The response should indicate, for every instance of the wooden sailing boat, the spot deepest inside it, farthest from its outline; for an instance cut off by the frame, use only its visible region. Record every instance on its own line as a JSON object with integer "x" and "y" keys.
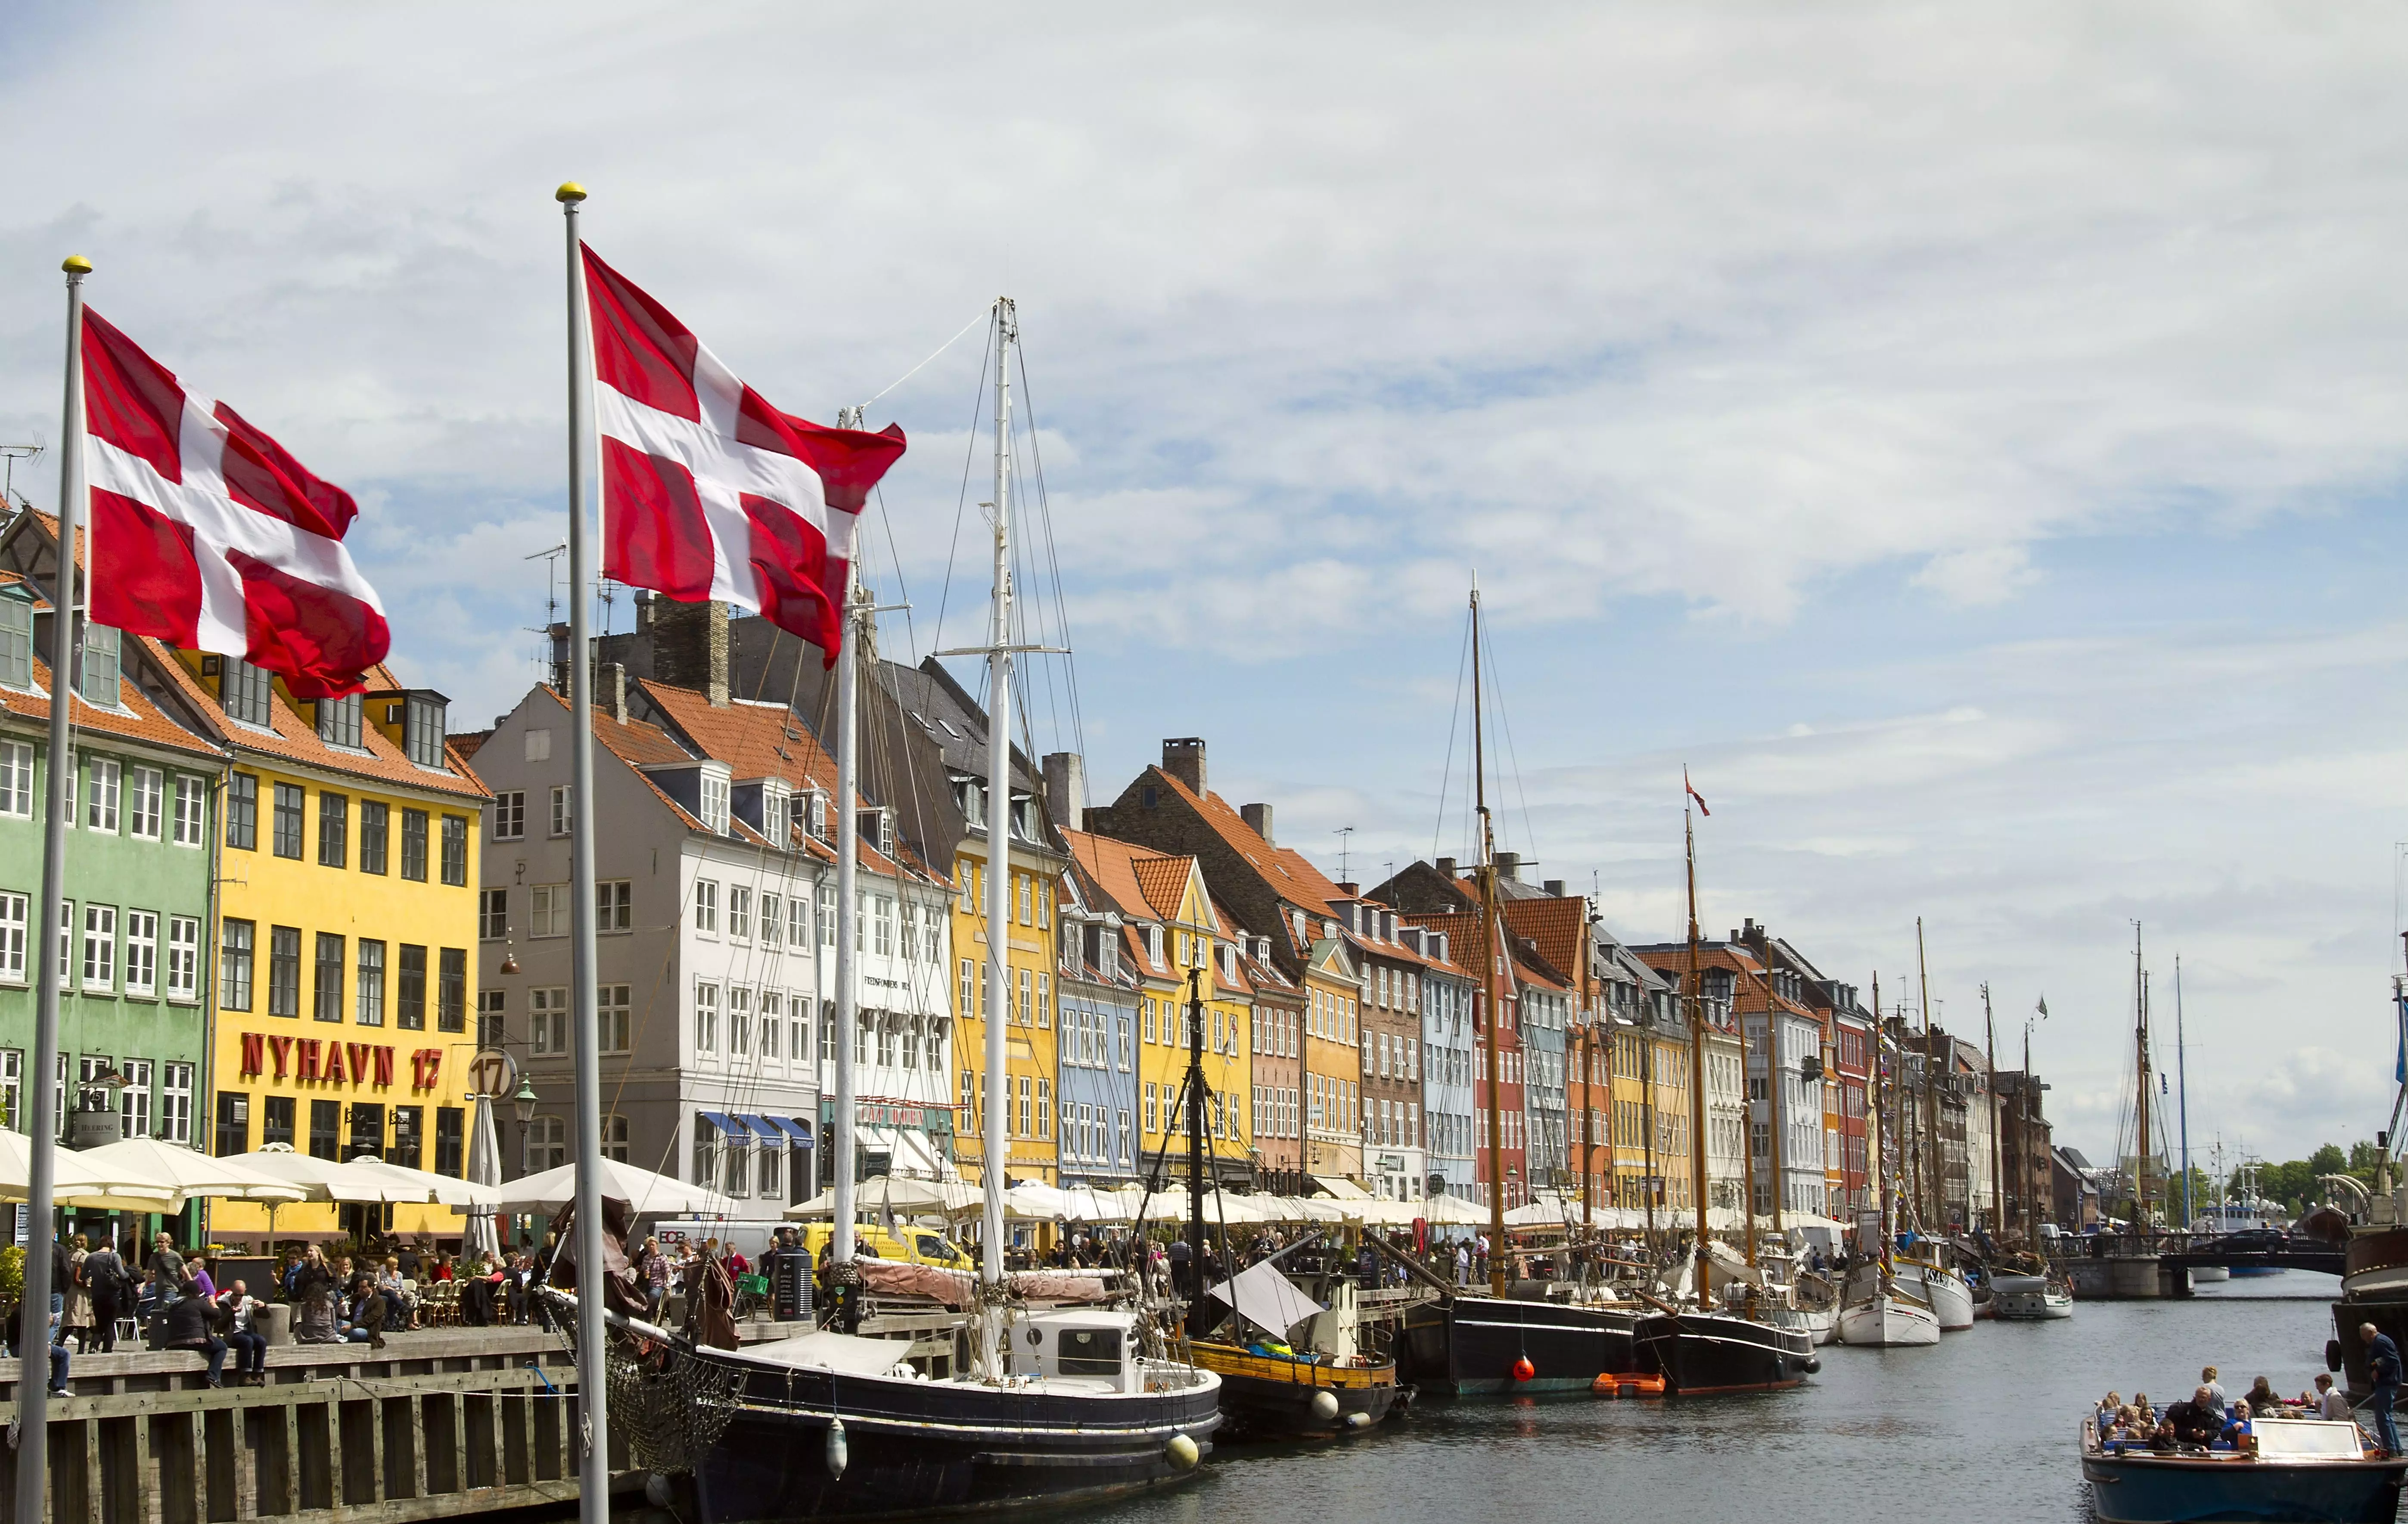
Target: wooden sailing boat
{"x": 1925, "y": 1270}
{"x": 1874, "y": 1308}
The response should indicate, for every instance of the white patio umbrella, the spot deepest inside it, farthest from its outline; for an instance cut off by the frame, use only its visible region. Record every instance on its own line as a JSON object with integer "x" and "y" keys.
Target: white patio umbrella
{"x": 74, "y": 1184}
{"x": 481, "y": 1235}
{"x": 647, "y": 1194}
{"x": 322, "y": 1179}
{"x": 148, "y": 1164}
{"x": 423, "y": 1187}
{"x": 901, "y": 1195}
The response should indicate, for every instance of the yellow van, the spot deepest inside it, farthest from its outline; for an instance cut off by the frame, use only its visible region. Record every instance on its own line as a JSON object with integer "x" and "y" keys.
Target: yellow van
{"x": 909, "y": 1244}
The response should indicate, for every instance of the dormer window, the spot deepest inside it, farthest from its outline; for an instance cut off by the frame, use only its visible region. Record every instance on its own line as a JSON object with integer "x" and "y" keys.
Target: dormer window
{"x": 16, "y": 639}
{"x": 815, "y": 824}
{"x": 423, "y": 732}
{"x": 877, "y": 830}
{"x": 1153, "y": 945}
{"x": 97, "y": 675}
{"x": 774, "y": 820}
{"x": 714, "y": 813}
{"x": 338, "y": 721}
{"x": 246, "y": 692}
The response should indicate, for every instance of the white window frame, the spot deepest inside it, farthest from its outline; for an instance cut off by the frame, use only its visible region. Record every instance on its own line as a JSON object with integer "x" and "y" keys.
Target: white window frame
{"x": 509, "y": 815}
{"x": 547, "y": 910}
{"x": 183, "y": 981}
{"x": 614, "y": 906}
{"x": 99, "y": 947}
{"x": 564, "y": 814}
{"x": 705, "y": 1018}
{"x": 613, "y": 1015}
{"x": 17, "y": 779}
{"x": 192, "y": 809}
{"x": 740, "y": 1021}
{"x": 141, "y": 952}
{"x": 739, "y": 912}
{"x": 706, "y": 907}
{"x": 175, "y": 1103}
{"x": 547, "y": 1020}
{"x": 148, "y": 803}
{"x": 15, "y": 913}
{"x": 108, "y": 783}
{"x": 134, "y": 1098}
{"x": 714, "y": 803}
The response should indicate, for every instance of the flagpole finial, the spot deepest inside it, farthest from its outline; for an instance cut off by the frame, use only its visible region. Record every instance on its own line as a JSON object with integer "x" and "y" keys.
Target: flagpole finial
{"x": 75, "y": 265}
{"x": 569, "y": 193}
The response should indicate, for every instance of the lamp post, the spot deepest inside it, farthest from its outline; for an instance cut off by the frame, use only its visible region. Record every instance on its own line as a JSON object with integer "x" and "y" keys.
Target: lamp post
{"x": 524, "y": 1103}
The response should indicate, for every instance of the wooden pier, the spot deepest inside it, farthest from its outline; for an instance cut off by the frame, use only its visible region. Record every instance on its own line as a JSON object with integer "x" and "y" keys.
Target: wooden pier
{"x": 437, "y": 1423}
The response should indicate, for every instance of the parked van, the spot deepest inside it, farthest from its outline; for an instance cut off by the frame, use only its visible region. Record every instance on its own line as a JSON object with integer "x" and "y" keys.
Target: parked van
{"x": 906, "y": 1243}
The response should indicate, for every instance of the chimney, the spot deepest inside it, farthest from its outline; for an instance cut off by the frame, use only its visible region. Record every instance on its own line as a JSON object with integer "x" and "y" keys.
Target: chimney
{"x": 1184, "y": 759}
{"x": 1554, "y": 887}
{"x": 643, "y": 610}
{"x": 1349, "y": 889}
{"x": 1257, "y": 817}
{"x": 614, "y": 689}
{"x": 690, "y": 646}
{"x": 1508, "y": 865}
{"x": 558, "y": 633}
{"x": 1445, "y": 867}
{"x": 1065, "y": 788}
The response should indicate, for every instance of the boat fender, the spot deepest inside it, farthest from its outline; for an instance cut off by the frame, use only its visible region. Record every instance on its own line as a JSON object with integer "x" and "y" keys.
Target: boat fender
{"x": 2332, "y": 1353}
{"x": 1812, "y": 1365}
{"x": 1523, "y": 1369}
{"x": 1181, "y": 1451}
{"x": 1324, "y": 1405}
{"x": 836, "y": 1448}
{"x": 1358, "y": 1421}
{"x": 659, "y": 1491}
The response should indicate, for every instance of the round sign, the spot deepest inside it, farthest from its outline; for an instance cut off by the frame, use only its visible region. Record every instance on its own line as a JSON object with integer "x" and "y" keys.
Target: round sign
{"x": 494, "y": 1074}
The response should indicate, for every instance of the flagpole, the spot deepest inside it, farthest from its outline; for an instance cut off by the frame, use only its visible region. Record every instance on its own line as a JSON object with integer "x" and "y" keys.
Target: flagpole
{"x": 592, "y": 1400}
{"x": 33, "y": 1319}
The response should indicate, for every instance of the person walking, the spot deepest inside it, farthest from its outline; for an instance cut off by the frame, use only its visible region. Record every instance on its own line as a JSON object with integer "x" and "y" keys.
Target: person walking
{"x": 2383, "y": 1368}
{"x": 105, "y": 1278}
{"x": 77, "y": 1318}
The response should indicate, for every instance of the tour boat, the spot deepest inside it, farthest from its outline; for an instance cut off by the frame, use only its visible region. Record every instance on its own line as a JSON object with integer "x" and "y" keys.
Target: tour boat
{"x": 1877, "y": 1312}
{"x": 2306, "y": 1469}
{"x": 1950, "y": 1298}
{"x": 2029, "y": 1297}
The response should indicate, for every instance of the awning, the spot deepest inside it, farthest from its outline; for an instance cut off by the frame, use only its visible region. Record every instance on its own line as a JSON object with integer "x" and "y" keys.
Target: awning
{"x": 730, "y": 1130}
{"x": 762, "y": 1131}
{"x": 797, "y": 1133}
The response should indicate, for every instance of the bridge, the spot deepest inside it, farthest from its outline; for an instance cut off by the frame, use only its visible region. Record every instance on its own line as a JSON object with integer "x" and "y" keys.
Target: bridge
{"x": 2297, "y": 1257}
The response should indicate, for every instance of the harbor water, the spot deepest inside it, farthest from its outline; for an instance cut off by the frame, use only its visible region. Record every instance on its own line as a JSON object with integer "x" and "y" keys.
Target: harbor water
{"x": 1981, "y": 1426}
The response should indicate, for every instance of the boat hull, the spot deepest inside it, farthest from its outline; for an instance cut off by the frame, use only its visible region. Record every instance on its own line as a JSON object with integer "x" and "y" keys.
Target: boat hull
{"x": 1263, "y": 1396}
{"x": 932, "y": 1446}
{"x": 1951, "y": 1297}
{"x": 2132, "y": 1490}
{"x": 2029, "y": 1298}
{"x": 1702, "y": 1354}
{"x": 2375, "y": 1265}
{"x": 2209, "y": 1274}
{"x": 1888, "y": 1322}
{"x": 1470, "y": 1345}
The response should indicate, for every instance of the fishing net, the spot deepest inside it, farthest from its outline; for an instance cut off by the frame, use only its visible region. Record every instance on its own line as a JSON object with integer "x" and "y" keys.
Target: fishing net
{"x": 671, "y": 1407}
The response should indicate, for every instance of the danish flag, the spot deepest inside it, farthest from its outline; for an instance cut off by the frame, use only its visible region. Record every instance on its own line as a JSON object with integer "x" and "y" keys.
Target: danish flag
{"x": 707, "y": 491}
{"x": 205, "y": 534}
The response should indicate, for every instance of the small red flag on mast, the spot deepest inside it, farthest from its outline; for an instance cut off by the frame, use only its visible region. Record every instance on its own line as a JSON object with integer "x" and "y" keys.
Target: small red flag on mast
{"x": 1694, "y": 793}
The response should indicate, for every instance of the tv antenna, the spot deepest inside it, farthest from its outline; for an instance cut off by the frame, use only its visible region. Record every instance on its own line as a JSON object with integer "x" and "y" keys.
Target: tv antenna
{"x": 10, "y": 455}
{"x": 1345, "y": 834}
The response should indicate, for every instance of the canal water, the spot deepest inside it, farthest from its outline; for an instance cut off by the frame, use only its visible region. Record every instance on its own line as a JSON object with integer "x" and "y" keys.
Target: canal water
{"x": 1982, "y": 1426}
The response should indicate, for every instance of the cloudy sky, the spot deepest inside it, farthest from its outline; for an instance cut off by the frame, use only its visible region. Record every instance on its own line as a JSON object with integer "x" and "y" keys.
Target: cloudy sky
{"x": 1969, "y": 438}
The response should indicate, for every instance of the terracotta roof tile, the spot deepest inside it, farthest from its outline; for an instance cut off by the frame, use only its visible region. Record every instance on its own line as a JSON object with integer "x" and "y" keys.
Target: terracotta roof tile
{"x": 1555, "y": 926}
{"x": 1286, "y": 871}
{"x": 142, "y": 721}
{"x": 754, "y": 740}
{"x": 1137, "y": 880}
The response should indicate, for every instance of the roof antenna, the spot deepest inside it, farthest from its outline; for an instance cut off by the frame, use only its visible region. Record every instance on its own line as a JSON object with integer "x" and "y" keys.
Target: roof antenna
{"x": 556, "y": 657}
{"x": 1345, "y": 834}
{"x": 10, "y": 455}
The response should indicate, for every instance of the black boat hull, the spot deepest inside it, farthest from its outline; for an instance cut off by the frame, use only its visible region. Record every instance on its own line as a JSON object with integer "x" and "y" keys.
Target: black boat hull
{"x": 1470, "y": 1345}
{"x": 1701, "y": 1353}
{"x": 926, "y": 1447}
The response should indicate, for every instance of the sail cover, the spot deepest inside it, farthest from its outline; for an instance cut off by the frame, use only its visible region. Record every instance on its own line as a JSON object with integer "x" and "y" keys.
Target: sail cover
{"x": 1266, "y": 1299}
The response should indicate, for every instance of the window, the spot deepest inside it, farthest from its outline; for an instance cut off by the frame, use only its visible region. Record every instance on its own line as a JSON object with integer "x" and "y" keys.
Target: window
{"x": 286, "y": 823}
{"x": 493, "y": 914}
{"x": 409, "y": 989}
{"x": 15, "y": 641}
{"x": 772, "y": 1182}
{"x": 242, "y": 812}
{"x": 234, "y": 966}
{"x": 773, "y": 1022}
{"x": 547, "y": 1142}
{"x": 326, "y": 1002}
{"x": 547, "y": 1020}
{"x": 449, "y": 1137}
{"x": 275, "y": 1122}
{"x": 614, "y": 1139}
{"x": 827, "y": 1030}
{"x": 371, "y": 1003}
{"x": 100, "y": 946}
{"x": 706, "y": 905}
{"x": 881, "y": 925}
{"x": 413, "y": 845}
{"x": 246, "y": 692}
{"x": 562, "y": 813}
{"x": 141, "y": 952}
{"x": 611, "y": 1014}
{"x": 614, "y": 906}
{"x": 325, "y": 1129}
{"x": 1153, "y": 1118}
{"x": 338, "y": 721}
{"x": 827, "y": 914}
{"x": 1044, "y": 1111}
{"x": 548, "y": 910}
{"x": 134, "y": 1099}
{"x": 146, "y": 802}
{"x": 192, "y": 796}
{"x": 14, "y": 909}
{"x": 374, "y": 817}
{"x": 739, "y": 912}
{"x": 409, "y": 1136}
{"x": 333, "y": 830}
{"x": 15, "y": 775}
{"x": 451, "y": 990}
{"x": 234, "y": 1123}
{"x": 714, "y": 803}
{"x": 800, "y": 1049}
{"x": 422, "y": 733}
{"x": 368, "y": 1129}
{"x": 100, "y": 807}
{"x": 706, "y": 1018}
{"x": 97, "y": 681}
{"x": 492, "y": 1007}
{"x": 798, "y": 921}
{"x": 740, "y": 1021}
{"x": 510, "y": 816}
{"x": 455, "y": 849}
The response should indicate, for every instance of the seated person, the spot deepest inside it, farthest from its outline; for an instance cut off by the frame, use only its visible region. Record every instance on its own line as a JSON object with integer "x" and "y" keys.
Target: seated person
{"x": 2261, "y": 1398}
{"x": 2140, "y": 1405}
{"x": 2161, "y": 1438}
{"x": 192, "y": 1324}
{"x": 2198, "y": 1421}
{"x": 2238, "y": 1429}
{"x": 2109, "y": 1406}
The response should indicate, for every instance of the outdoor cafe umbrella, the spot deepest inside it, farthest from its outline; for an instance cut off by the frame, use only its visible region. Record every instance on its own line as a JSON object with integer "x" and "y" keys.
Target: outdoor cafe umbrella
{"x": 76, "y": 1184}
{"x": 898, "y": 1196}
{"x": 647, "y": 1194}
{"x": 483, "y": 1233}
{"x": 150, "y": 1165}
{"x": 322, "y": 1179}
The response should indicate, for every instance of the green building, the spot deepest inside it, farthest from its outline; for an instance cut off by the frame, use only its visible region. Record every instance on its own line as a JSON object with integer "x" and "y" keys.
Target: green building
{"x": 141, "y": 863}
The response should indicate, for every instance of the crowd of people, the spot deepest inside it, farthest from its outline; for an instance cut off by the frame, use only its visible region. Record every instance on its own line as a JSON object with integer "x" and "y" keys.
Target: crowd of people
{"x": 2207, "y": 1420}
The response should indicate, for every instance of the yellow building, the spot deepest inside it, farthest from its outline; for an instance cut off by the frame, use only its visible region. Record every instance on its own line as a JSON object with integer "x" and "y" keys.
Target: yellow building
{"x": 1036, "y": 871}
{"x": 1333, "y": 1058}
{"x": 347, "y": 919}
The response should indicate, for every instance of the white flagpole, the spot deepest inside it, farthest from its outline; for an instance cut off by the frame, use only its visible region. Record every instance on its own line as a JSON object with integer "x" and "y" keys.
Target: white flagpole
{"x": 837, "y": 1137}
{"x": 593, "y": 1397}
{"x": 34, "y": 1318}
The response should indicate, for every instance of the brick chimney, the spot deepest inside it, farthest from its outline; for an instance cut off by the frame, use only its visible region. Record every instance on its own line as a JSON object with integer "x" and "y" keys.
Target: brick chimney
{"x": 1182, "y": 758}
{"x": 1259, "y": 818}
{"x": 1508, "y": 865}
{"x": 612, "y": 690}
{"x": 1445, "y": 867}
{"x": 1065, "y": 789}
{"x": 1554, "y": 887}
{"x": 690, "y": 646}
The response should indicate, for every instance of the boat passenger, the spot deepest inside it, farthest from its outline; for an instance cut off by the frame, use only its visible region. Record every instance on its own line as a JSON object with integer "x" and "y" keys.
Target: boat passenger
{"x": 2238, "y": 1428}
{"x": 2330, "y": 1402}
{"x": 2161, "y": 1439}
{"x": 2200, "y": 1420}
{"x": 2261, "y": 1398}
{"x": 2383, "y": 1367}
{"x": 2107, "y": 1406}
{"x": 2207, "y": 1378}
{"x": 2148, "y": 1410}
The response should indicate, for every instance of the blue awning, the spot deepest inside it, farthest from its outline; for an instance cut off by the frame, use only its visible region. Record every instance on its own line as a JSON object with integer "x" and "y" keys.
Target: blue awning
{"x": 730, "y": 1130}
{"x": 762, "y": 1131}
{"x": 797, "y": 1133}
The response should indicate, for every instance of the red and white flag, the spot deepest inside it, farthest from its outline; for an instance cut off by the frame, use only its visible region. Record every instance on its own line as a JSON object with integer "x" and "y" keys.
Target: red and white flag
{"x": 707, "y": 491}
{"x": 207, "y": 535}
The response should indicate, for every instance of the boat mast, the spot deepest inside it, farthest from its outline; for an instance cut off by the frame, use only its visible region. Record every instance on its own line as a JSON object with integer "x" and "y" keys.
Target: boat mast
{"x": 1702, "y": 1278}
{"x": 1492, "y": 949}
{"x": 2182, "y": 1084}
{"x": 1198, "y": 1317}
{"x": 1934, "y": 1174}
{"x": 1647, "y": 1031}
{"x": 1880, "y": 1169}
{"x": 1990, "y": 1058}
{"x": 2141, "y": 1139}
{"x": 998, "y": 829}
{"x": 1778, "y": 1108}
{"x": 2024, "y": 1150}
{"x": 1747, "y": 1112}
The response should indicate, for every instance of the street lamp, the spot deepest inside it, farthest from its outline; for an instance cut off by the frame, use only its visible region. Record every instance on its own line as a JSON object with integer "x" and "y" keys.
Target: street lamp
{"x": 523, "y": 1102}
